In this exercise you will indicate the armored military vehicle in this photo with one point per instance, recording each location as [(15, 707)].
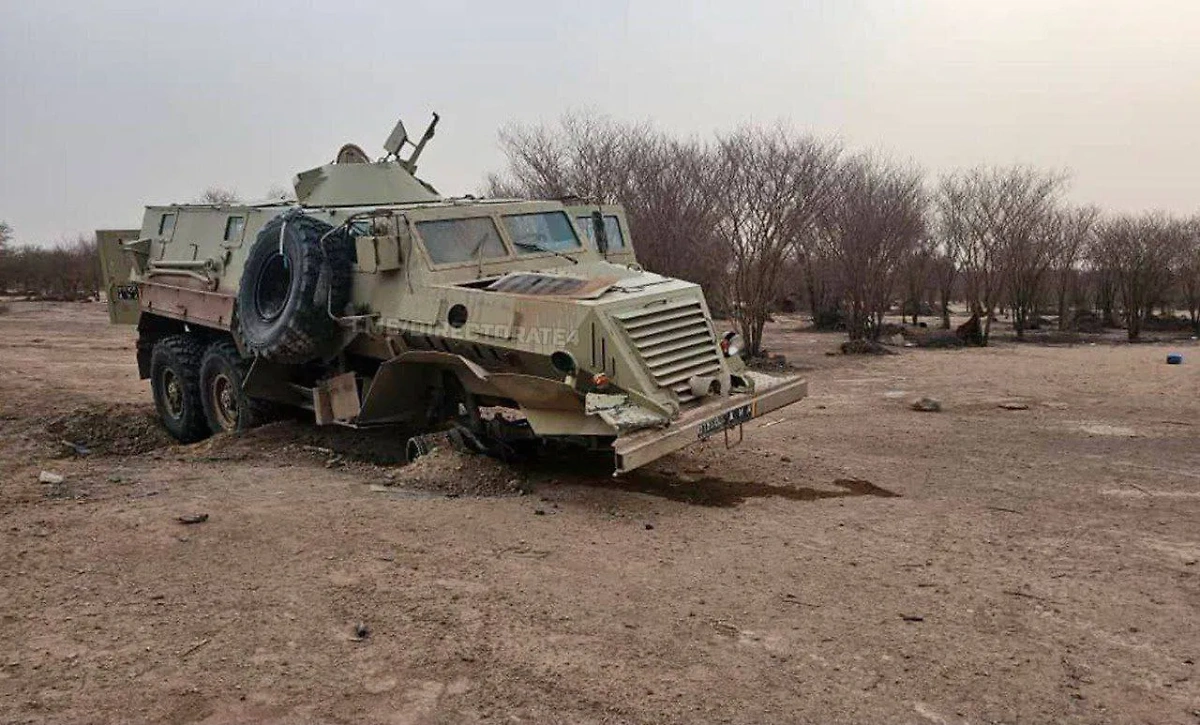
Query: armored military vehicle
[(371, 299)]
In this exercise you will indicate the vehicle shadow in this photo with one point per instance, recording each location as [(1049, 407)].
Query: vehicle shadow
[(716, 492), (595, 472)]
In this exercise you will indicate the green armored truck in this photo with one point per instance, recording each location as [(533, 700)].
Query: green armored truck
[(372, 300)]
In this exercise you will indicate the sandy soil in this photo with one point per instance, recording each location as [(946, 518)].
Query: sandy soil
[(853, 561)]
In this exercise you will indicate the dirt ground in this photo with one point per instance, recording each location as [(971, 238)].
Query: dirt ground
[(853, 561)]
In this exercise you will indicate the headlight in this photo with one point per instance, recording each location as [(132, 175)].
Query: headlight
[(563, 362), (731, 344)]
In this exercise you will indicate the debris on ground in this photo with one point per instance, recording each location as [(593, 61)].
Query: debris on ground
[(927, 405), (865, 347), (76, 448), (194, 647), (935, 339), (971, 332), (116, 430), (192, 518), (50, 477), (463, 474), (334, 446), (361, 631), (769, 363), (1015, 406)]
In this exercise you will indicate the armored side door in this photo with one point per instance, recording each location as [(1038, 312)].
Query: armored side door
[(115, 265)]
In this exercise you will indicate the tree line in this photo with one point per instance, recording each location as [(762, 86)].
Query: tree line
[(765, 218), (68, 270), (762, 217)]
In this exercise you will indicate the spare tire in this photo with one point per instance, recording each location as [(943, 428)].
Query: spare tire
[(297, 272)]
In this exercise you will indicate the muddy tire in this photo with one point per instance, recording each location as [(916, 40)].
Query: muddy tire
[(227, 408), (298, 270), (175, 385), (422, 445)]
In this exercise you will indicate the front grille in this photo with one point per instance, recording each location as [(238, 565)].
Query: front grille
[(675, 341)]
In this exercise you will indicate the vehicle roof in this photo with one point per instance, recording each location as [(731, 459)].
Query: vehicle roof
[(435, 204)]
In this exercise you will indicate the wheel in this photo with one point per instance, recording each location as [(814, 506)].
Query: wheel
[(418, 446), (299, 270), (175, 384), (227, 408)]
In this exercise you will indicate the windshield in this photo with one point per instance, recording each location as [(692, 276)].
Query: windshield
[(461, 240), (612, 226), (545, 232)]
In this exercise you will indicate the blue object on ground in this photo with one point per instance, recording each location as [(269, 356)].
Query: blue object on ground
[(1174, 359)]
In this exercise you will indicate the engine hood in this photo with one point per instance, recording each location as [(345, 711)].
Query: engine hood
[(586, 281)]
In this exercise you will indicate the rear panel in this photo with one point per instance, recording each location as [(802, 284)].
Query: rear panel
[(115, 265)]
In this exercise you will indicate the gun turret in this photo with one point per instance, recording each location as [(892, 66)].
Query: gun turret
[(351, 180)]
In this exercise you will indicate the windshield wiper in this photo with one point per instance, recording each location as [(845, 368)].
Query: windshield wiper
[(539, 248)]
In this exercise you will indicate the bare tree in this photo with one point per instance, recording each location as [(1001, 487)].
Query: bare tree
[(1022, 214), (1001, 216), (664, 184), (672, 215), (220, 196), (950, 228), (943, 273), (821, 285), (772, 186), (585, 155), (1075, 227), (69, 270), (1105, 283), (874, 222), (6, 235), (1141, 252), (1188, 271), (917, 272), (278, 192), (969, 255)]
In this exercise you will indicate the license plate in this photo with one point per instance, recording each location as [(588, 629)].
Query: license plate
[(728, 419)]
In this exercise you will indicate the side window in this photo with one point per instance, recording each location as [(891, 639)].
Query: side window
[(233, 228), (461, 240), (612, 225), (166, 225)]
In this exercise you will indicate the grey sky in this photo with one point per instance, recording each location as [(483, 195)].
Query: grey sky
[(107, 106)]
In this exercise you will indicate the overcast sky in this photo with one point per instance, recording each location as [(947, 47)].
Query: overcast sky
[(108, 106)]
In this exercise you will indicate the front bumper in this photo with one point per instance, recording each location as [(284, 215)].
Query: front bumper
[(696, 424)]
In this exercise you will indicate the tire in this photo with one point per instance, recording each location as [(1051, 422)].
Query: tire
[(284, 298), (175, 385), (227, 408), (418, 446)]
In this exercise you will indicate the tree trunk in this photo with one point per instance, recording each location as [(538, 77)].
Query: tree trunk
[(759, 323), (1062, 307)]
